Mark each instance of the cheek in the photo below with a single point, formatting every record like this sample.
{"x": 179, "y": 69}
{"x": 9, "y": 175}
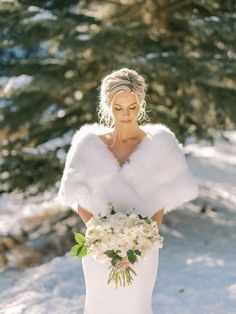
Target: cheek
{"x": 134, "y": 112}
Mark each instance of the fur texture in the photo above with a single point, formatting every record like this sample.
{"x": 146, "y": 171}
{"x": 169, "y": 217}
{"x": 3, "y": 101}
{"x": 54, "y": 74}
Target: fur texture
{"x": 155, "y": 176}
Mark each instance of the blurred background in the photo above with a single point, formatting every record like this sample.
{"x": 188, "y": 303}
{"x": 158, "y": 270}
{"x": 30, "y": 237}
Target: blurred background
{"x": 53, "y": 56}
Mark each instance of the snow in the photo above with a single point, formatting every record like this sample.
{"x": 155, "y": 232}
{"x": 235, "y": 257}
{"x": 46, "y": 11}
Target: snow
{"x": 17, "y": 82}
{"x": 197, "y": 264}
{"x": 51, "y": 145}
{"x": 41, "y": 14}
{"x": 44, "y": 289}
{"x": 3, "y": 80}
{"x": 14, "y": 208}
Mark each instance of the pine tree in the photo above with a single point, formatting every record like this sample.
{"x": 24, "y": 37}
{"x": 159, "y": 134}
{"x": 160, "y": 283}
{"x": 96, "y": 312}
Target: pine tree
{"x": 53, "y": 55}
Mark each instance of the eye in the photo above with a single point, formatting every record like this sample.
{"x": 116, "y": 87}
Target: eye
{"x": 132, "y": 108}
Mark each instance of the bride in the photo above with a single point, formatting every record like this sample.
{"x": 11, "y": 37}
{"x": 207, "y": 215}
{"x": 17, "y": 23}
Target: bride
{"x": 132, "y": 166}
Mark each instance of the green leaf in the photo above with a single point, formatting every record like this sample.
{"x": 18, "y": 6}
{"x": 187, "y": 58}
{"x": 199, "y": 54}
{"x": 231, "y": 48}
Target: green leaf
{"x": 79, "y": 237}
{"x": 137, "y": 252}
{"x": 110, "y": 253}
{"x": 131, "y": 256}
{"x": 82, "y": 251}
{"x": 115, "y": 259}
{"x": 74, "y": 249}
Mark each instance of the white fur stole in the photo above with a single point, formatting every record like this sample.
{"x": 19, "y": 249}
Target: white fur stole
{"x": 155, "y": 176}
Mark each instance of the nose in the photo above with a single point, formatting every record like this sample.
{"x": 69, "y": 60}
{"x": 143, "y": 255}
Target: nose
{"x": 126, "y": 112}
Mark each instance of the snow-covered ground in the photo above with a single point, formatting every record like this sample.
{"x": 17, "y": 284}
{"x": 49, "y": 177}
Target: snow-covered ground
{"x": 197, "y": 265}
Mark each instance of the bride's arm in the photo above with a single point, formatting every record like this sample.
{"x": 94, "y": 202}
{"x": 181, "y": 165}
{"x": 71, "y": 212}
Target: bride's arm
{"x": 84, "y": 214}
{"x": 158, "y": 216}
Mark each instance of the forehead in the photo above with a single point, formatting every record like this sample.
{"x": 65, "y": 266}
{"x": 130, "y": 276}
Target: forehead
{"x": 125, "y": 98}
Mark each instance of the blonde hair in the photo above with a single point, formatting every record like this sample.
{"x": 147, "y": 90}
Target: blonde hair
{"x": 123, "y": 79}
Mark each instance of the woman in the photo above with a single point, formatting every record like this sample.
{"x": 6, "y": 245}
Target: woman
{"x": 132, "y": 166}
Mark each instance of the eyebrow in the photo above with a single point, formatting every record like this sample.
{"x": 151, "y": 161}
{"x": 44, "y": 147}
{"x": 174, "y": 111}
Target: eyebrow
{"x": 129, "y": 105}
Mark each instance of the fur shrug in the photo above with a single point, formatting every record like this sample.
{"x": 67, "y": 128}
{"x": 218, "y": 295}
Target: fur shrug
{"x": 155, "y": 176}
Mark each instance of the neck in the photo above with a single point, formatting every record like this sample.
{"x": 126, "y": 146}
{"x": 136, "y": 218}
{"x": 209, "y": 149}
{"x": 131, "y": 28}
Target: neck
{"x": 127, "y": 133}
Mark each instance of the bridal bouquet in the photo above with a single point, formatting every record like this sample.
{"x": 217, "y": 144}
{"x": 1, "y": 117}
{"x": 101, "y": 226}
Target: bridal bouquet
{"x": 119, "y": 238}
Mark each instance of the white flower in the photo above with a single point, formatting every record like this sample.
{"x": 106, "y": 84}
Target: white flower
{"x": 121, "y": 232}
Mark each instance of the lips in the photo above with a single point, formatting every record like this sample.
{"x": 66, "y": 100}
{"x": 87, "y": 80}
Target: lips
{"x": 126, "y": 121}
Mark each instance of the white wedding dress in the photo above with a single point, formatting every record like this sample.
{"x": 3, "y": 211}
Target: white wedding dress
{"x": 155, "y": 176}
{"x": 103, "y": 298}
